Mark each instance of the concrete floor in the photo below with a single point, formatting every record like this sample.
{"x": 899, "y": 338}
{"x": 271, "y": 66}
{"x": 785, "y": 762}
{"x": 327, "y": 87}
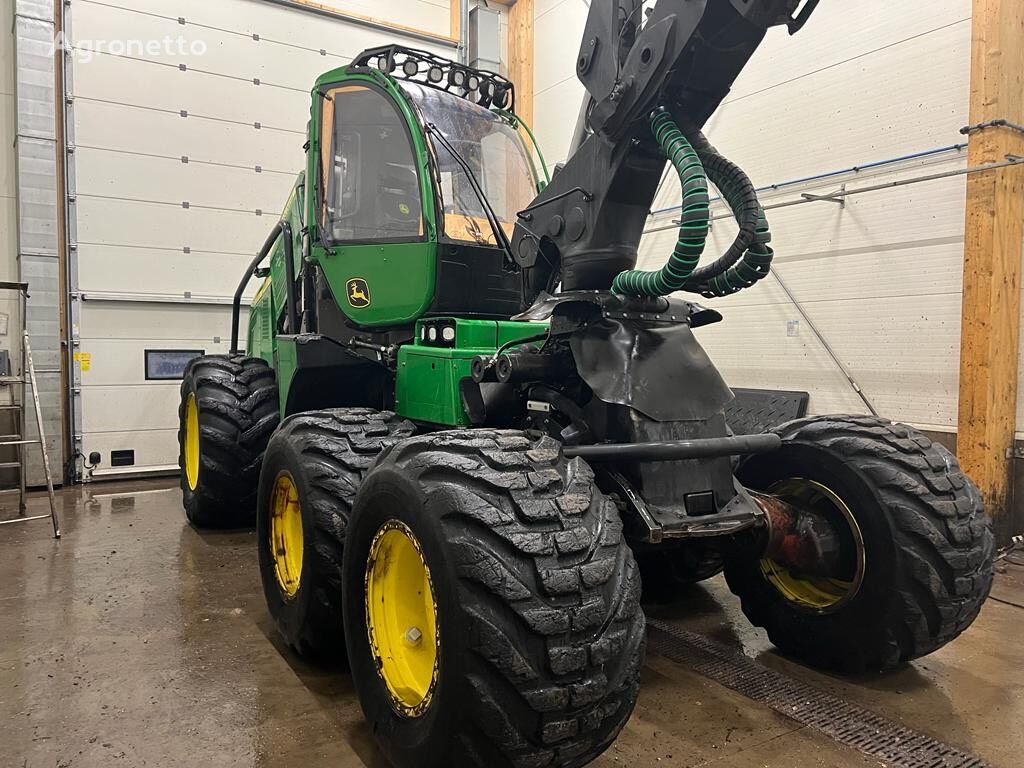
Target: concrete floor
{"x": 137, "y": 641}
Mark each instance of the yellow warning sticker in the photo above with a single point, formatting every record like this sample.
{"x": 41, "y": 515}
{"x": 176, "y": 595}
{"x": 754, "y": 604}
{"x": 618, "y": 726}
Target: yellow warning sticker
{"x": 84, "y": 360}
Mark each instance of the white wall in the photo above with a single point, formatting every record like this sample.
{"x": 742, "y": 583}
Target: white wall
{"x": 132, "y": 227}
{"x": 882, "y": 277}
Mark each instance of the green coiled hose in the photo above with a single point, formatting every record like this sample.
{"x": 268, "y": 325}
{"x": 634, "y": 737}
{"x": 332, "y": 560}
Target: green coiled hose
{"x": 749, "y": 258}
{"x": 693, "y": 228}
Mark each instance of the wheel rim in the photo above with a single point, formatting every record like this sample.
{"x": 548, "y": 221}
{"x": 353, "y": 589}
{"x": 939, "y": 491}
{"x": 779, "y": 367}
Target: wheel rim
{"x": 286, "y": 543}
{"x": 192, "y": 441}
{"x": 820, "y": 594}
{"x": 401, "y": 618}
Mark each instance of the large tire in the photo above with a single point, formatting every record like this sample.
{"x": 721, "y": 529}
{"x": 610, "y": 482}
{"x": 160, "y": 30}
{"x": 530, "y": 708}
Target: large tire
{"x": 927, "y": 545}
{"x": 326, "y": 454}
{"x": 668, "y": 571}
{"x": 540, "y": 634}
{"x": 237, "y": 408}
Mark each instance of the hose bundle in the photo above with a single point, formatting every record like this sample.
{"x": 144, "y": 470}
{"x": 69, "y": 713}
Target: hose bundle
{"x": 749, "y": 257}
{"x": 693, "y": 228}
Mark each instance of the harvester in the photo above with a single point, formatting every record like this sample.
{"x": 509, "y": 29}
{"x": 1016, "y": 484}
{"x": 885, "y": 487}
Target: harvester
{"x": 472, "y": 435}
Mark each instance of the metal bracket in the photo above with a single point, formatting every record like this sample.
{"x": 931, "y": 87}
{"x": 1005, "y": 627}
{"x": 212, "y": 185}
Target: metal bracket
{"x": 838, "y": 197}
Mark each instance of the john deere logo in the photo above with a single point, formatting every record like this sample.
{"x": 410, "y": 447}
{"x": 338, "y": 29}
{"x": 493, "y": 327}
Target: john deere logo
{"x": 358, "y": 293}
{"x": 404, "y": 208}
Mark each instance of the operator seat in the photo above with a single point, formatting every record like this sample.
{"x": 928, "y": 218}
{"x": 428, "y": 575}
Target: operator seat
{"x": 400, "y": 200}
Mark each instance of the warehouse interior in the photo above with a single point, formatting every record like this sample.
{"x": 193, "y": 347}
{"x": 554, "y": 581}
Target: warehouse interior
{"x": 155, "y": 608}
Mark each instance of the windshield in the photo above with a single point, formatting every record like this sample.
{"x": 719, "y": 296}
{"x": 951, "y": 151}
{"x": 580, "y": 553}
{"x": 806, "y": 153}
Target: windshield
{"x": 494, "y": 152}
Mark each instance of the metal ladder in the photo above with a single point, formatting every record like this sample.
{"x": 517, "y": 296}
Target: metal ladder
{"x": 17, "y": 440}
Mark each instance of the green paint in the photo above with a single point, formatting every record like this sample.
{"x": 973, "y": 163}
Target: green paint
{"x": 285, "y": 365}
{"x": 428, "y": 379}
{"x": 399, "y": 276}
{"x": 270, "y": 299}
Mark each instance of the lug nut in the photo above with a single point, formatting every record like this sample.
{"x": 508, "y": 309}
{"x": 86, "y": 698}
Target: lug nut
{"x": 413, "y": 636}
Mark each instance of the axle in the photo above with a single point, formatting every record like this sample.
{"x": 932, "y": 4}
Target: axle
{"x": 798, "y": 538}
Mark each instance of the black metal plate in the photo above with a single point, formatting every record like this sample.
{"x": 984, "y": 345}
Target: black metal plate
{"x": 757, "y": 410}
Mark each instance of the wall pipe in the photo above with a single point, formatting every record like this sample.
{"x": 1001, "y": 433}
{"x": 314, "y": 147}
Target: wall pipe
{"x": 841, "y": 195}
{"x": 842, "y": 172}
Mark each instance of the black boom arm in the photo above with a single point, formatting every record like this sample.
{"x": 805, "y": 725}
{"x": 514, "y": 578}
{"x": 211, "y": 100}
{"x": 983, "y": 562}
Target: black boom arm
{"x": 680, "y": 55}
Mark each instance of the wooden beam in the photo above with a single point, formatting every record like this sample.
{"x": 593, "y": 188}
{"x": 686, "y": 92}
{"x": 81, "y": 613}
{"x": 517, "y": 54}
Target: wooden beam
{"x": 520, "y": 57}
{"x": 994, "y": 233}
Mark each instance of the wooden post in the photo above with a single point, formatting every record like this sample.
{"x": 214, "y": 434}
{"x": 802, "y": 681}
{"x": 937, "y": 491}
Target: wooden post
{"x": 990, "y": 331}
{"x": 520, "y": 57}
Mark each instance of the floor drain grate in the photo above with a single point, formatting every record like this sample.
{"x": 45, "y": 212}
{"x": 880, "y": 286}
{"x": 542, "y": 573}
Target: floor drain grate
{"x": 846, "y": 723}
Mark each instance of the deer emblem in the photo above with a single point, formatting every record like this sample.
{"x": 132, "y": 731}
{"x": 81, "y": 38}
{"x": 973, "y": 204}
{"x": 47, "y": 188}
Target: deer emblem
{"x": 358, "y": 293}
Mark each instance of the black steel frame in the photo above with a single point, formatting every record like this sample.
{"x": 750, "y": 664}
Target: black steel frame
{"x": 282, "y": 228}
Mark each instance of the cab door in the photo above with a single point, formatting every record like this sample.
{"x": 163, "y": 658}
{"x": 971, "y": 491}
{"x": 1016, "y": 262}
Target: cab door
{"x": 379, "y": 258}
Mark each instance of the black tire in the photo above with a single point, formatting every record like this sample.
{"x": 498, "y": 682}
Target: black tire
{"x": 927, "y": 545}
{"x": 667, "y": 571}
{"x": 327, "y": 453}
{"x": 238, "y": 412}
{"x": 541, "y": 634}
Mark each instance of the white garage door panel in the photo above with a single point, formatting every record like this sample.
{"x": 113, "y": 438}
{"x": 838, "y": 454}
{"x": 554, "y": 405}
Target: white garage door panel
{"x": 112, "y": 221}
{"x": 132, "y": 408}
{"x": 130, "y": 176}
{"x": 127, "y": 109}
{"x": 163, "y": 323}
{"x": 141, "y": 130}
{"x": 120, "y": 362}
{"x": 233, "y": 53}
{"x": 282, "y": 31}
{"x": 162, "y": 273}
{"x": 125, "y": 80}
{"x": 150, "y": 450}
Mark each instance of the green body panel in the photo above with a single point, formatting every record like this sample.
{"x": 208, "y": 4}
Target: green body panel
{"x": 285, "y": 368}
{"x": 270, "y": 299}
{"x": 399, "y": 280}
{"x": 427, "y": 387}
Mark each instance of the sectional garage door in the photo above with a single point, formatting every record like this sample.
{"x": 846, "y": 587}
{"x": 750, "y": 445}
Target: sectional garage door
{"x": 189, "y": 124}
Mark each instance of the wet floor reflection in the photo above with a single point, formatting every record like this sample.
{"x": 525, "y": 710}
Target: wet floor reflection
{"x": 137, "y": 640}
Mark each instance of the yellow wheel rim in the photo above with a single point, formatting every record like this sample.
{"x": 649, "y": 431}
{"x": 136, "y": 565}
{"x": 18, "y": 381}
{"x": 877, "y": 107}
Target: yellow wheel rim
{"x": 401, "y": 618}
{"x": 192, "y": 442}
{"x": 818, "y": 593}
{"x": 286, "y": 542}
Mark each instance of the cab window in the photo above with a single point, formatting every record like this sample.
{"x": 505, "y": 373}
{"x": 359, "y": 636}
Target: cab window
{"x": 371, "y": 187}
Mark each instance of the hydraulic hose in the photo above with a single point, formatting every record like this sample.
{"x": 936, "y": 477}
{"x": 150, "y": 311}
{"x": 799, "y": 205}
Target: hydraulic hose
{"x": 749, "y": 257}
{"x": 695, "y": 220}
